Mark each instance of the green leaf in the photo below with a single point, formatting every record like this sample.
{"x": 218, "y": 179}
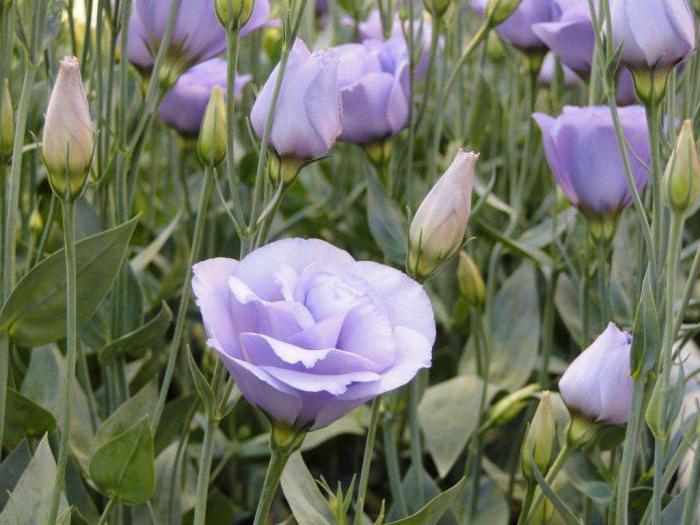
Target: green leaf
{"x": 35, "y": 312}
{"x": 124, "y": 467}
{"x": 303, "y": 495}
{"x": 561, "y": 507}
{"x": 42, "y": 384}
{"x": 448, "y": 414}
{"x": 646, "y": 340}
{"x": 519, "y": 248}
{"x": 435, "y": 508}
{"x": 176, "y": 415}
{"x": 24, "y": 418}
{"x": 130, "y": 413}
{"x": 386, "y": 222}
{"x": 11, "y": 470}
{"x": 31, "y": 497}
{"x": 133, "y": 343}
{"x": 204, "y": 390}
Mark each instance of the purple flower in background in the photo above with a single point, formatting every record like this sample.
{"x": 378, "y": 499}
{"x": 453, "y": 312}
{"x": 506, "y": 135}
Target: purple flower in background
{"x": 308, "y": 115}
{"x": 546, "y": 77}
{"x": 309, "y": 333}
{"x": 184, "y": 105}
{"x": 570, "y": 35}
{"x": 517, "y": 30}
{"x": 598, "y": 384}
{"x": 624, "y": 93}
{"x": 585, "y": 159}
{"x": 374, "y": 91}
{"x": 655, "y": 34}
{"x": 197, "y": 35}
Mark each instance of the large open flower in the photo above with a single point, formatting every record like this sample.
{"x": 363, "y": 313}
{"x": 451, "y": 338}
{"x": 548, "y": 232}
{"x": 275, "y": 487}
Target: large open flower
{"x": 309, "y": 333}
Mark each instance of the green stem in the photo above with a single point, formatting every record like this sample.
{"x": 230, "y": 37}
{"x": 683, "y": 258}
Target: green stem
{"x": 367, "y": 461}
{"x": 68, "y": 206}
{"x": 392, "y": 465}
{"x": 108, "y": 509}
{"x": 414, "y": 430}
{"x": 200, "y": 509}
{"x": 232, "y": 53}
{"x": 654, "y": 125}
{"x": 690, "y": 507}
{"x": 603, "y": 291}
{"x": 527, "y": 503}
{"x": 202, "y": 210}
{"x": 629, "y": 451}
{"x": 278, "y": 459}
{"x": 554, "y": 470}
{"x": 4, "y": 376}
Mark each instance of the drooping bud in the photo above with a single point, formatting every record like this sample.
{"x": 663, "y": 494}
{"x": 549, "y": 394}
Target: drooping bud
{"x": 68, "y": 138}
{"x": 682, "y": 178}
{"x": 7, "y": 123}
{"x": 438, "y": 227}
{"x": 471, "y": 283}
{"x": 234, "y": 14}
{"x": 539, "y": 440}
{"x": 212, "y": 136}
{"x": 498, "y": 11}
{"x": 437, "y": 7}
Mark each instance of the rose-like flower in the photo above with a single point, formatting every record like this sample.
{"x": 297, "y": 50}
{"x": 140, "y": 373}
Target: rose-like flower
{"x": 309, "y": 333}
{"x": 183, "y": 107}
{"x": 597, "y": 384}
{"x": 584, "y": 156}
{"x": 570, "y": 35}
{"x": 374, "y": 91}
{"x": 546, "y": 76}
{"x": 654, "y": 34}
{"x": 197, "y": 35}
{"x": 68, "y": 138}
{"x": 517, "y": 29}
{"x": 438, "y": 227}
{"x": 308, "y": 116}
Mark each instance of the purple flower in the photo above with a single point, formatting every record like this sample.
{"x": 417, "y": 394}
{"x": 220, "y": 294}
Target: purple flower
{"x": 655, "y": 34}
{"x": 546, "y": 77}
{"x": 517, "y": 30}
{"x": 598, "y": 383}
{"x": 585, "y": 159}
{"x": 309, "y": 333}
{"x": 308, "y": 115}
{"x": 184, "y": 105}
{"x": 624, "y": 92}
{"x": 374, "y": 90}
{"x": 570, "y": 35}
{"x": 197, "y": 35}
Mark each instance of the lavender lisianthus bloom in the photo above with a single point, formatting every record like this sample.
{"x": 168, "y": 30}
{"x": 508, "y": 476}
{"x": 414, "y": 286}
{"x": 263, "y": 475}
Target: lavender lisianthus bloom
{"x": 570, "y": 35}
{"x": 308, "y": 116}
{"x": 583, "y": 154}
{"x": 197, "y": 35}
{"x": 184, "y": 105}
{"x": 597, "y": 384}
{"x": 517, "y": 29}
{"x": 546, "y": 76}
{"x": 374, "y": 91}
{"x": 309, "y": 333}
{"x": 654, "y": 34}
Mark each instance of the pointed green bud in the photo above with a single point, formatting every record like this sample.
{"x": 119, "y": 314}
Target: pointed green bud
{"x": 7, "y": 123}
{"x": 234, "y": 14}
{"x": 681, "y": 183}
{"x": 36, "y": 223}
{"x": 437, "y": 7}
{"x": 498, "y": 11}
{"x": 471, "y": 284}
{"x": 495, "y": 48}
{"x": 539, "y": 440}
{"x": 212, "y": 135}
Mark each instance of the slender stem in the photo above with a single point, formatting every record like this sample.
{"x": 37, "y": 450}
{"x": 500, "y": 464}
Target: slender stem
{"x": 68, "y": 206}
{"x": 200, "y": 509}
{"x": 392, "y": 465}
{"x": 232, "y": 53}
{"x": 278, "y": 459}
{"x": 367, "y": 461}
{"x": 554, "y": 470}
{"x": 202, "y": 210}
{"x": 414, "y": 430}
{"x": 690, "y": 507}
{"x": 654, "y": 125}
{"x": 4, "y": 376}
{"x": 629, "y": 451}
{"x": 527, "y": 503}
{"x": 108, "y": 509}
{"x": 603, "y": 291}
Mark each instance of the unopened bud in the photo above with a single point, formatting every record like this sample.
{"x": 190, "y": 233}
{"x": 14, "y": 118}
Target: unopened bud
{"x": 471, "y": 284}
{"x": 539, "y": 440}
{"x": 495, "y": 48}
{"x": 36, "y": 223}
{"x": 68, "y": 138}
{"x": 234, "y": 14}
{"x": 682, "y": 177}
{"x": 437, "y": 7}
{"x": 508, "y": 408}
{"x": 498, "y": 11}
{"x": 438, "y": 227}
{"x": 7, "y": 123}
{"x": 212, "y": 135}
